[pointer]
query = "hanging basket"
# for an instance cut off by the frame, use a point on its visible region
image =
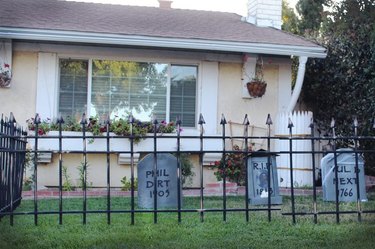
(256, 88)
(4, 80)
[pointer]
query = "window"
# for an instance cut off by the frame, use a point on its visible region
(118, 88)
(183, 92)
(73, 87)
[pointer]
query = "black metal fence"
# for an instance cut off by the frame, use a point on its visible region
(12, 162)
(13, 150)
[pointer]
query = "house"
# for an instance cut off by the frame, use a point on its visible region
(67, 58)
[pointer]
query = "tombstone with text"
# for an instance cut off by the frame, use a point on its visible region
(166, 181)
(347, 178)
(258, 179)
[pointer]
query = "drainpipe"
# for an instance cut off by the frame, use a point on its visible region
(299, 83)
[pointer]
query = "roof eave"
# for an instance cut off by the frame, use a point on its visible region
(165, 42)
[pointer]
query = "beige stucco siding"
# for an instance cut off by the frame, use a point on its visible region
(225, 78)
(48, 174)
(232, 104)
(20, 97)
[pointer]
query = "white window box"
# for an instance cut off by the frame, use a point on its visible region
(165, 142)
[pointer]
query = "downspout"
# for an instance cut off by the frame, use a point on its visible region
(299, 82)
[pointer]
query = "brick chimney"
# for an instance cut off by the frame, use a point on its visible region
(264, 13)
(165, 4)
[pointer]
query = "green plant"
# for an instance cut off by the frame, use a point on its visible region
(82, 168)
(186, 168)
(70, 125)
(27, 184)
(67, 184)
(232, 166)
(121, 127)
(43, 127)
(127, 185)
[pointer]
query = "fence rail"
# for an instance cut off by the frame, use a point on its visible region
(12, 161)
(13, 156)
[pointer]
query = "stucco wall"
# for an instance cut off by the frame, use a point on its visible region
(20, 97)
(48, 174)
(234, 106)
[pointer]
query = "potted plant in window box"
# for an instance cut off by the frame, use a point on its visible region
(257, 86)
(5, 75)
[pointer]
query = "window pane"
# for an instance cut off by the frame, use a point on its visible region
(121, 87)
(183, 94)
(73, 87)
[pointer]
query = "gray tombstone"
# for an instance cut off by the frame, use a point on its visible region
(166, 181)
(347, 179)
(258, 180)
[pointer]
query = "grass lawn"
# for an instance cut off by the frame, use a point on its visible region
(190, 233)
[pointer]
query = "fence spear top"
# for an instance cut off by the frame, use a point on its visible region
(130, 119)
(178, 121)
(223, 120)
(11, 118)
(83, 120)
(290, 123)
(333, 122)
(60, 119)
(246, 120)
(155, 121)
(311, 123)
(37, 119)
(269, 120)
(355, 122)
(107, 120)
(201, 119)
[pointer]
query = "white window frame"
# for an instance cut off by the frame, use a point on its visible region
(207, 81)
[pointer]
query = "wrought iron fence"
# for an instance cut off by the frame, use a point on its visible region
(13, 151)
(12, 161)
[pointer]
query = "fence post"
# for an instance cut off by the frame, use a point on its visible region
(313, 167)
(359, 208)
(108, 157)
(155, 169)
(246, 124)
(179, 187)
(290, 127)
(60, 121)
(84, 183)
(2, 165)
(12, 164)
(333, 126)
(131, 122)
(201, 122)
(36, 123)
(269, 123)
(223, 122)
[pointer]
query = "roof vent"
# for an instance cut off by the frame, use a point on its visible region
(165, 4)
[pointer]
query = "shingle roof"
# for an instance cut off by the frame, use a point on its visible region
(139, 21)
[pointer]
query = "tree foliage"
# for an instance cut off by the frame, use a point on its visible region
(343, 84)
(289, 18)
(312, 14)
